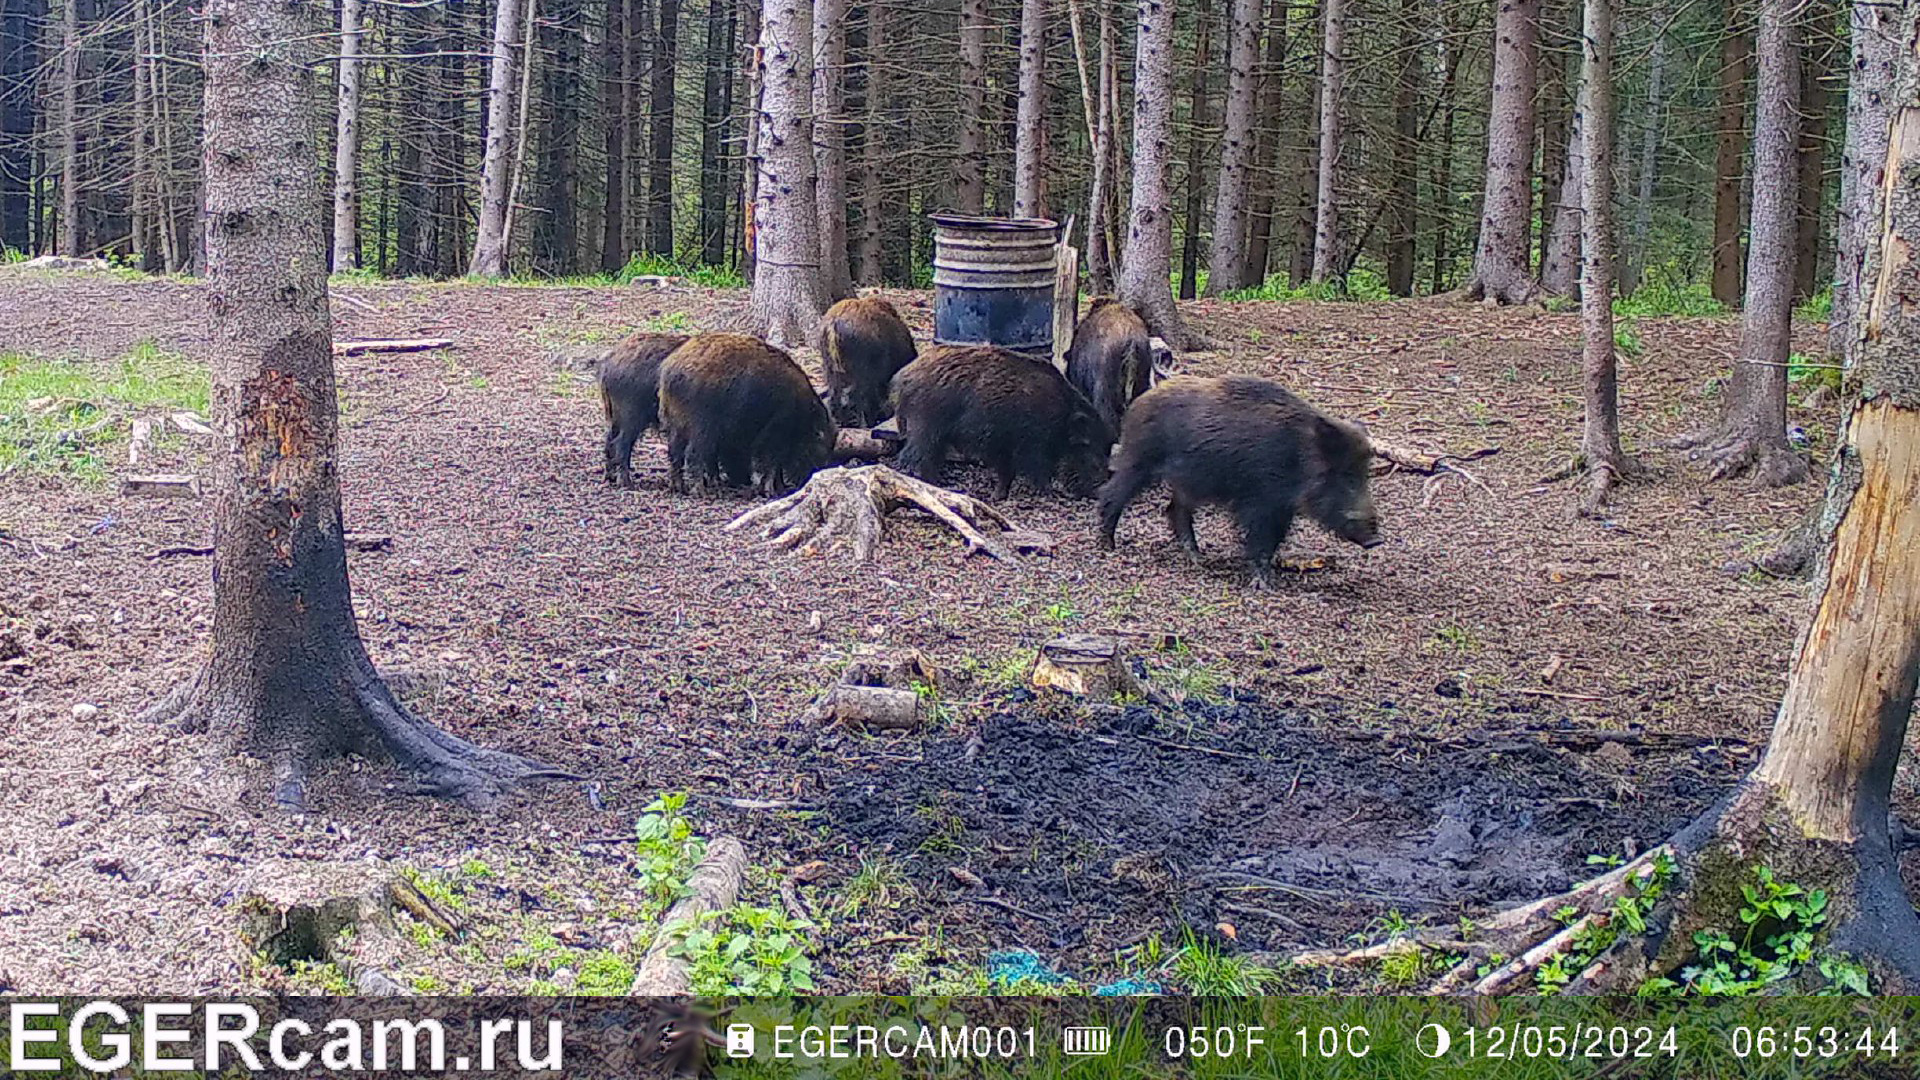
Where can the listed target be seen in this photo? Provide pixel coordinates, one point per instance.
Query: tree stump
(881, 690)
(1090, 666)
(849, 505)
(297, 910)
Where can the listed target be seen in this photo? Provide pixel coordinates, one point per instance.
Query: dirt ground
(1382, 735)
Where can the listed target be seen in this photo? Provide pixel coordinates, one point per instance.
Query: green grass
(1626, 338)
(1202, 969)
(67, 418)
(1362, 284)
(1818, 307)
(1658, 297)
(881, 882)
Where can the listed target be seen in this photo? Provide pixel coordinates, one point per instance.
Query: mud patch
(1090, 835)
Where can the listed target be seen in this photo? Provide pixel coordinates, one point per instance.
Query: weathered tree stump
(1090, 666)
(881, 690)
(848, 506)
(297, 910)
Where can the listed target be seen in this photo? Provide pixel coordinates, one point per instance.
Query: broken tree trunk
(860, 444)
(291, 910)
(713, 886)
(1091, 666)
(880, 691)
(848, 506)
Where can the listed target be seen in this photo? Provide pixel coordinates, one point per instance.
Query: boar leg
(1180, 520)
(1264, 528)
(1115, 495)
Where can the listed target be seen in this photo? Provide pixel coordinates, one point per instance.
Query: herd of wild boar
(738, 411)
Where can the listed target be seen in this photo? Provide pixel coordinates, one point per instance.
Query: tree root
(1737, 451)
(847, 506)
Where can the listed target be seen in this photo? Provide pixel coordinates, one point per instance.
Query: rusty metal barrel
(993, 282)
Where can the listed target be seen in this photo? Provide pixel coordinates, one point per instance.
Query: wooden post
(1066, 299)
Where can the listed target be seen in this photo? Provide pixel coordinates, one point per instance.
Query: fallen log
(162, 485)
(1423, 462)
(389, 345)
(713, 886)
(880, 691)
(859, 444)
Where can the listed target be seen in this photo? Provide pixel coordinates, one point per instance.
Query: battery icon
(1085, 1041)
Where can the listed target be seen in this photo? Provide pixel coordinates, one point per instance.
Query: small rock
(375, 983)
(84, 712)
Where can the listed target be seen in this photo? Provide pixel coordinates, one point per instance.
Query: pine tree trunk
(830, 144)
(873, 142)
(613, 106)
(1593, 118)
(1753, 432)
(346, 148)
(1728, 168)
(288, 678)
(1403, 201)
(1559, 40)
(1816, 66)
(1560, 261)
(18, 108)
(1196, 153)
(1262, 220)
(1633, 266)
(638, 83)
(557, 230)
(522, 126)
(666, 57)
(716, 110)
(1030, 119)
(141, 180)
(970, 152)
(1227, 262)
(1100, 257)
(1326, 221)
(73, 238)
(1145, 281)
(1502, 263)
(1442, 180)
(1303, 182)
(787, 297)
(750, 170)
(490, 239)
(1872, 36)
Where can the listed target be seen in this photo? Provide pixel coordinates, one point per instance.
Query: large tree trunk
(1560, 263)
(1727, 167)
(1815, 68)
(73, 238)
(522, 126)
(556, 232)
(1593, 117)
(666, 66)
(830, 143)
(19, 107)
(1262, 219)
(288, 678)
(1873, 37)
(346, 149)
(1030, 119)
(613, 110)
(1145, 281)
(787, 300)
(1559, 40)
(870, 242)
(1326, 227)
(1227, 263)
(970, 153)
(1753, 432)
(750, 171)
(1100, 256)
(1654, 130)
(490, 234)
(716, 113)
(1446, 61)
(1502, 264)
(1197, 120)
(1403, 201)
(638, 110)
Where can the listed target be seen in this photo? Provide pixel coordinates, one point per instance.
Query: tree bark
(613, 105)
(830, 143)
(970, 153)
(1727, 165)
(1100, 256)
(1872, 36)
(1030, 119)
(638, 84)
(1227, 262)
(73, 238)
(1326, 225)
(787, 301)
(1560, 262)
(521, 126)
(1261, 216)
(1197, 120)
(490, 239)
(1593, 118)
(1502, 261)
(1815, 68)
(557, 231)
(666, 66)
(873, 142)
(19, 108)
(1753, 433)
(1145, 281)
(1403, 202)
(346, 149)
(289, 678)
(1633, 267)
(716, 112)
(1559, 40)
(1445, 60)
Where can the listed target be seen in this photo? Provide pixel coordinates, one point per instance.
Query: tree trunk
(1593, 118)
(557, 230)
(1559, 39)
(141, 177)
(1634, 265)
(1560, 262)
(19, 106)
(750, 170)
(970, 154)
(1261, 217)
(1728, 169)
(716, 112)
(73, 238)
(1816, 67)
(613, 111)
(1403, 201)
(490, 239)
(1100, 256)
(1326, 225)
(638, 110)
(830, 143)
(521, 129)
(1443, 160)
(346, 149)
(666, 57)
(1030, 119)
(787, 301)
(1753, 433)
(1502, 267)
(1873, 37)
(1227, 262)
(289, 678)
(1196, 152)
(873, 142)
(1145, 276)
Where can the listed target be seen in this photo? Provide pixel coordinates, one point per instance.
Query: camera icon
(740, 1040)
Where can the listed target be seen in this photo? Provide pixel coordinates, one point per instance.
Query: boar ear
(1345, 440)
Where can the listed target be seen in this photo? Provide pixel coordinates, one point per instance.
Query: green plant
(881, 882)
(672, 322)
(1781, 919)
(1811, 374)
(1361, 284)
(1457, 638)
(1818, 307)
(746, 950)
(319, 977)
(1663, 296)
(666, 849)
(540, 955)
(476, 868)
(1186, 676)
(604, 973)
(60, 417)
(1203, 969)
(1626, 338)
(1606, 860)
(1402, 968)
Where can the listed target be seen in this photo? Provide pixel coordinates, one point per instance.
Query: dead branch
(847, 506)
(389, 345)
(164, 485)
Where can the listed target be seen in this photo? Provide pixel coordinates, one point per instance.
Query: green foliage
(1626, 338)
(359, 275)
(1186, 676)
(1664, 296)
(539, 956)
(1629, 914)
(1362, 284)
(1203, 969)
(671, 322)
(319, 977)
(61, 417)
(881, 882)
(604, 973)
(1781, 920)
(1818, 307)
(665, 849)
(1808, 374)
(746, 950)
(709, 277)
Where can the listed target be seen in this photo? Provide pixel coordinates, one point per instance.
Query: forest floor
(1454, 719)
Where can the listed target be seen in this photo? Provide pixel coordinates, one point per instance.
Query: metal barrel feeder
(994, 282)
